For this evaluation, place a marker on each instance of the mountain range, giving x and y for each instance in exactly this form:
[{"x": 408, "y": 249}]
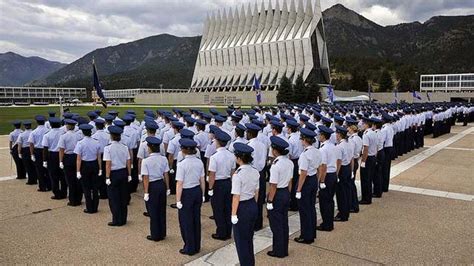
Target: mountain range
[{"x": 441, "y": 44}]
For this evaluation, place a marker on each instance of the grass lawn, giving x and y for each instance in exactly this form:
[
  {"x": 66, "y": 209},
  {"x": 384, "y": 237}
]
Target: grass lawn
[{"x": 9, "y": 114}]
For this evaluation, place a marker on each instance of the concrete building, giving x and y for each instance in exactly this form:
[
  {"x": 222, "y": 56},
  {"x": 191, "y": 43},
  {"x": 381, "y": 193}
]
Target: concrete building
[
  {"x": 39, "y": 94},
  {"x": 269, "y": 42},
  {"x": 128, "y": 95},
  {"x": 447, "y": 83}
]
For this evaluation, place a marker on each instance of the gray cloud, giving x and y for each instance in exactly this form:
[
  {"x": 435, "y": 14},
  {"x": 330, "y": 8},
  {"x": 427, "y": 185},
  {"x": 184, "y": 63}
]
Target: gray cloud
[{"x": 65, "y": 30}]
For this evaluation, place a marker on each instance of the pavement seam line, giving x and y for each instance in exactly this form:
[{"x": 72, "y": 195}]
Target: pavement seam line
[{"x": 345, "y": 254}]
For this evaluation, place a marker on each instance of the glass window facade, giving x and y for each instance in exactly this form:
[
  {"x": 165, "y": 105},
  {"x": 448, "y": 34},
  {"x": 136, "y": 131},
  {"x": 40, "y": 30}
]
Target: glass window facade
[{"x": 448, "y": 82}]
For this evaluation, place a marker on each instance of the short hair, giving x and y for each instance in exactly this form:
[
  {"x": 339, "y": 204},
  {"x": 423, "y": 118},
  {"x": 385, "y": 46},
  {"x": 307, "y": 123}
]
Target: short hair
[
  {"x": 280, "y": 150},
  {"x": 154, "y": 148},
  {"x": 354, "y": 128},
  {"x": 99, "y": 126},
  {"x": 87, "y": 133},
  {"x": 115, "y": 137},
  {"x": 245, "y": 157}
]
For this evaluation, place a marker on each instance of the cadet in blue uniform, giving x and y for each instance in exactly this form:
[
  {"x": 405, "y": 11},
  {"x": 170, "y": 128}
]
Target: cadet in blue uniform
[
  {"x": 327, "y": 179},
  {"x": 356, "y": 142},
  {"x": 103, "y": 138},
  {"x": 295, "y": 148},
  {"x": 25, "y": 155},
  {"x": 51, "y": 159},
  {"x": 154, "y": 171},
  {"x": 221, "y": 168},
  {"x": 14, "y": 151},
  {"x": 89, "y": 166},
  {"x": 172, "y": 151},
  {"x": 307, "y": 186},
  {"x": 189, "y": 197},
  {"x": 67, "y": 159},
  {"x": 380, "y": 159},
  {"x": 117, "y": 167},
  {"x": 368, "y": 161},
  {"x": 245, "y": 188},
  {"x": 278, "y": 201},
  {"x": 343, "y": 186},
  {"x": 36, "y": 150}
]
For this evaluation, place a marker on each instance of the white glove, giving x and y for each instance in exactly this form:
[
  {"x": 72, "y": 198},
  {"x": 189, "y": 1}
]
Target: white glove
[
  {"x": 298, "y": 195},
  {"x": 129, "y": 178},
  {"x": 234, "y": 219},
  {"x": 33, "y": 158},
  {"x": 100, "y": 173},
  {"x": 322, "y": 186},
  {"x": 352, "y": 176},
  {"x": 168, "y": 192},
  {"x": 362, "y": 165},
  {"x": 78, "y": 175},
  {"x": 203, "y": 199},
  {"x": 146, "y": 196},
  {"x": 140, "y": 178},
  {"x": 20, "y": 156},
  {"x": 108, "y": 182},
  {"x": 61, "y": 165},
  {"x": 207, "y": 178},
  {"x": 45, "y": 164},
  {"x": 269, "y": 206},
  {"x": 179, "y": 205},
  {"x": 172, "y": 171},
  {"x": 210, "y": 193}
]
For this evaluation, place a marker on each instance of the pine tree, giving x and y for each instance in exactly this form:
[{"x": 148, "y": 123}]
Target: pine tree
[
  {"x": 404, "y": 84},
  {"x": 299, "y": 90},
  {"x": 359, "y": 81},
  {"x": 385, "y": 81},
  {"x": 313, "y": 91},
  {"x": 285, "y": 91}
]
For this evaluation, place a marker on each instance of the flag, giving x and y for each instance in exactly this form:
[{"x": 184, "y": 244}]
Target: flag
[
  {"x": 415, "y": 95},
  {"x": 428, "y": 96},
  {"x": 258, "y": 89},
  {"x": 395, "y": 92},
  {"x": 98, "y": 86},
  {"x": 331, "y": 93}
]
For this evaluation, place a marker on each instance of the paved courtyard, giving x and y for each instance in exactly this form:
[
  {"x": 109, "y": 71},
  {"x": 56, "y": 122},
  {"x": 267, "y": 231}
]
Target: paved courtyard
[{"x": 426, "y": 218}]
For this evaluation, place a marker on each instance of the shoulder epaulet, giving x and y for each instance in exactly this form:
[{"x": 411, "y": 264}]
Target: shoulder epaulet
[
  {"x": 108, "y": 144},
  {"x": 237, "y": 171},
  {"x": 275, "y": 161}
]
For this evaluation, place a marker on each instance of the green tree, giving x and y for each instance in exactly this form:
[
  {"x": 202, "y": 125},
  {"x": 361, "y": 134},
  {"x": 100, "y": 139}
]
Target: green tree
[
  {"x": 285, "y": 91},
  {"x": 403, "y": 84},
  {"x": 312, "y": 91},
  {"x": 299, "y": 90},
  {"x": 359, "y": 81},
  {"x": 385, "y": 81}
]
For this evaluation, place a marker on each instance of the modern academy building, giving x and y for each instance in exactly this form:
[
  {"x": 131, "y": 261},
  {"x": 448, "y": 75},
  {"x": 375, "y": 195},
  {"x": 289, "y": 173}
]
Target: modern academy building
[{"x": 281, "y": 38}]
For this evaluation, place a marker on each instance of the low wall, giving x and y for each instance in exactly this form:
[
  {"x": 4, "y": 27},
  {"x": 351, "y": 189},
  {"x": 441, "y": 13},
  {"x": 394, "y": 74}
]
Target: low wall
[
  {"x": 207, "y": 98},
  {"x": 388, "y": 97}
]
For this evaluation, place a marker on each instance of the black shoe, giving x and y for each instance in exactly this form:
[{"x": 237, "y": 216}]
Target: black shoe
[
  {"x": 339, "y": 219},
  {"x": 112, "y": 224},
  {"x": 184, "y": 252},
  {"x": 89, "y": 212},
  {"x": 272, "y": 254},
  {"x": 320, "y": 228},
  {"x": 377, "y": 196},
  {"x": 363, "y": 202},
  {"x": 103, "y": 197},
  {"x": 174, "y": 206},
  {"x": 354, "y": 211},
  {"x": 151, "y": 239},
  {"x": 216, "y": 236},
  {"x": 42, "y": 190},
  {"x": 31, "y": 183},
  {"x": 55, "y": 198},
  {"x": 295, "y": 209},
  {"x": 303, "y": 241},
  {"x": 146, "y": 214},
  {"x": 211, "y": 217}
]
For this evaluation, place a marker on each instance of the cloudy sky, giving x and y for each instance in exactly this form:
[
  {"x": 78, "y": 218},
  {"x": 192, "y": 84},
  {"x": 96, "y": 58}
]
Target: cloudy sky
[{"x": 65, "y": 30}]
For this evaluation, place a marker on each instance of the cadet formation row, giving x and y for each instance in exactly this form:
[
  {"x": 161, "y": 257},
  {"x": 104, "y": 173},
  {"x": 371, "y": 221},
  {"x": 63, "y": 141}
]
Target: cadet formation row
[{"x": 302, "y": 151}]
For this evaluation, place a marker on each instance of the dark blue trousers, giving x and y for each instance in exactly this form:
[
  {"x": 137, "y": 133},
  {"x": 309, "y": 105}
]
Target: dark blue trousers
[
  {"x": 75, "y": 189},
  {"x": 44, "y": 182},
  {"x": 156, "y": 207},
  {"x": 386, "y": 168},
  {"x": 378, "y": 177},
  {"x": 90, "y": 184},
  {"x": 103, "y": 186},
  {"x": 118, "y": 195},
  {"x": 354, "y": 198},
  {"x": 20, "y": 169},
  {"x": 29, "y": 166},
  {"x": 243, "y": 231},
  {"x": 133, "y": 185},
  {"x": 190, "y": 219},
  {"x": 343, "y": 191},
  {"x": 58, "y": 182},
  {"x": 366, "y": 175},
  {"x": 221, "y": 203},
  {"x": 278, "y": 218},
  {"x": 262, "y": 191},
  {"x": 326, "y": 201},
  {"x": 172, "y": 179},
  {"x": 294, "y": 181},
  {"x": 307, "y": 208}
]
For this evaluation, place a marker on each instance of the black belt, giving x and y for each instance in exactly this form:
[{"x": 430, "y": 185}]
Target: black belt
[
  {"x": 156, "y": 180},
  {"x": 282, "y": 188},
  {"x": 220, "y": 180}
]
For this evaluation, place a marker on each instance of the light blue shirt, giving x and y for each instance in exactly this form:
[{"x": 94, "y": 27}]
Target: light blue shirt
[
  {"x": 281, "y": 171},
  {"x": 13, "y": 136},
  {"x": 222, "y": 163},
  {"x": 245, "y": 182},
  {"x": 22, "y": 139},
  {"x": 296, "y": 147},
  {"x": 329, "y": 156},
  {"x": 68, "y": 141},
  {"x": 117, "y": 154},
  {"x": 88, "y": 148},
  {"x": 369, "y": 139},
  {"x": 174, "y": 147},
  {"x": 155, "y": 166},
  {"x": 36, "y": 136},
  {"x": 310, "y": 160},
  {"x": 202, "y": 139},
  {"x": 189, "y": 171},
  {"x": 259, "y": 154},
  {"x": 51, "y": 139},
  {"x": 103, "y": 138}
]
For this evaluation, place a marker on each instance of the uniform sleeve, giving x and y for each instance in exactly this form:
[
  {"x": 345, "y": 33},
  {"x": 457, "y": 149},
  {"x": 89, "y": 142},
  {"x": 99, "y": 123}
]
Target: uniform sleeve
[
  {"x": 30, "y": 138},
  {"x": 180, "y": 172},
  {"x": 365, "y": 140},
  {"x": 141, "y": 152},
  {"x": 61, "y": 142},
  {"x": 274, "y": 175},
  {"x": 128, "y": 154},
  {"x": 167, "y": 167},
  {"x": 213, "y": 164},
  {"x": 303, "y": 162},
  {"x": 78, "y": 148},
  {"x": 339, "y": 152},
  {"x": 324, "y": 157},
  {"x": 144, "y": 168},
  {"x": 44, "y": 142},
  {"x": 236, "y": 185},
  {"x": 170, "y": 147},
  {"x": 107, "y": 154}
]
